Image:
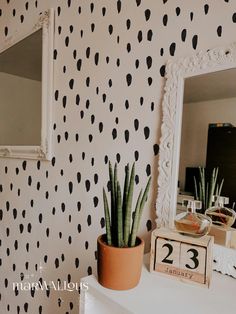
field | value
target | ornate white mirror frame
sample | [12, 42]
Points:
[44, 150]
[203, 62]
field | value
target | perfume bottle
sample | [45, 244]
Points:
[221, 215]
[192, 223]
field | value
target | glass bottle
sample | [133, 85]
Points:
[192, 223]
[221, 215]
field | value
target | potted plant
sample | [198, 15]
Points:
[120, 251]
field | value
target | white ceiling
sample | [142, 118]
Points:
[216, 85]
[24, 58]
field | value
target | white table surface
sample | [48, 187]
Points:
[157, 293]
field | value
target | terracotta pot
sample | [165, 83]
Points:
[119, 268]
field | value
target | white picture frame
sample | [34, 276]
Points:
[44, 150]
[212, 60]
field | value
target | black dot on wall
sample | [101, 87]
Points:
[148, 170]
[70, 187]
[195, 41]
[146, 132]
[76, 262]
[54, 54]
[136, 155]
[126, 104]
[56, 262]
[191, 16]
[103, 11]
[87, 185]
[71, 83]
[183, 35]
[88, 52]
[219, 31]
[149, 225]
[234, 17]
[147, 14]
[149, 62]
[22, 18]
[140, 36]
[118, 4]
[114, 133]
[149, 35]
[24, 164]
[165, 19]
[110, 29]
[136, 124]
[6, 31]
[156, 149]
[79, 64]
[149, 81]
[128, 24]
[206, 8]
[102, 222]
[177, 11]
[77, 99]
[129, 79]
[26, 306]
[96, 58]
[172, 49]
[162, 70]
[89, 270]
[128, 47]
[89, 220]
[126, 134]
[95, 201]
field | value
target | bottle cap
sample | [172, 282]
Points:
[220, 200]
[192, 204]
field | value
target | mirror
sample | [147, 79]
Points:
[25, 90]
[20, 71]
[199, 93]
[208, 135]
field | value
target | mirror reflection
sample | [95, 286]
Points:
[208, 141]
[20, 90]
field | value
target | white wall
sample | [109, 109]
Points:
[20, 110]
[56, 202]
[196, 118]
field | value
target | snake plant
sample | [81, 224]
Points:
[204, 190]
[121, 230]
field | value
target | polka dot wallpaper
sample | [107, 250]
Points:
[109, 64]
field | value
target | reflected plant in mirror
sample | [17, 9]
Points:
[204, 189]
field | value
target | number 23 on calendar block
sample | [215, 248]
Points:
[186, 261]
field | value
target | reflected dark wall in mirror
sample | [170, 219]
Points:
[20, 92]
[209, 99]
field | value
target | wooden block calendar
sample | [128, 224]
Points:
[182, 257]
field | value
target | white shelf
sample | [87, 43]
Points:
[157, 293]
